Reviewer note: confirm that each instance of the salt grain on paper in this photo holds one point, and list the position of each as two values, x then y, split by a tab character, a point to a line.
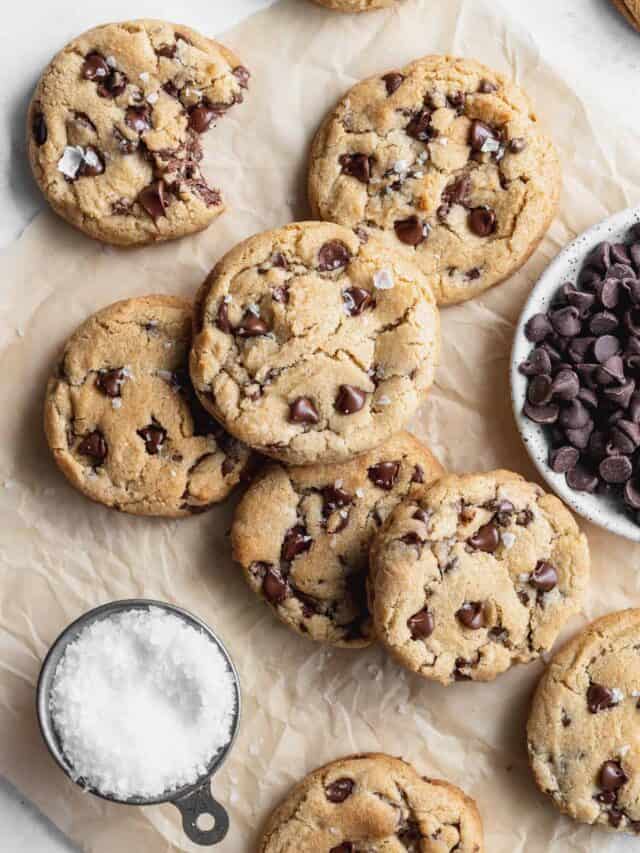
142	702
382	280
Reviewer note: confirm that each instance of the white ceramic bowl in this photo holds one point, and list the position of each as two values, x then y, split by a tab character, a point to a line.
606	511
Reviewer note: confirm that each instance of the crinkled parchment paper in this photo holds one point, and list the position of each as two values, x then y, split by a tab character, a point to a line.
61	554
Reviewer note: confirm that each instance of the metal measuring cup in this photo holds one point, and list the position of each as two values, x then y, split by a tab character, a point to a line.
192	801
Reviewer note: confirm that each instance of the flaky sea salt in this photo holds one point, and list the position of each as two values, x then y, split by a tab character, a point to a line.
152	97
71	160
508	539
142	702
144	76
383	280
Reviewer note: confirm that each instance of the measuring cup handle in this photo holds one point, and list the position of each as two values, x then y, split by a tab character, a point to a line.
201	802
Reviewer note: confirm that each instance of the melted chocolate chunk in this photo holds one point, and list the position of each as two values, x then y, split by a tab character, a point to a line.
274	588
152	199
95	446
471	615
39	129
338	791
357	166
296	541
599	698
153	437
392	81
421	624
384	474
350	399
333	255
356	300
487	538
303	411
410	231
110	382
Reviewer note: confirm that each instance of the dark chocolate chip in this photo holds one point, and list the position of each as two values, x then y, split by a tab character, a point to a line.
599	698
482	221
544	577
333	255
274	587
166	50
471	615
563	459
296	541
252	326
95	446
565	385
152	199
113	85
616	469
110	382
138	118
303	411
581	480
487	538
153	437
603	323
537	328
421	624
39	129
338	791
350	399
200	117
566	321
632	495
517	145
574	415
392	81
420	126
410	231
579	438
357	166
95	67
356	300
418	474
384	474
542	414
479	133
539	390
222	318
611	776
621	394
333	498
457	191
625	436
537	363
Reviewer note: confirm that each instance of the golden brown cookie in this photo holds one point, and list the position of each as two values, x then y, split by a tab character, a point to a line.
114	129
355	5
313	346
302	535
373	802
445	159
583	727
477	573
123	422
631	11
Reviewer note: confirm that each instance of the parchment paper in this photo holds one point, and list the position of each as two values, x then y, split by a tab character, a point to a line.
61	554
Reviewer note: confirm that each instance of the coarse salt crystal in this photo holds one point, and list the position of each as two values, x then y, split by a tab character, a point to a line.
152	97
144	76
418	174
624	750
142	702
617	695
71	160
338	484
116	403
227	298
111	61
508	539
383	280
383	400
490	145
359	493
400	166
254	309
523	577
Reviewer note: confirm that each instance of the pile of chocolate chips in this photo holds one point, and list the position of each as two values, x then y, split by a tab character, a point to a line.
584	373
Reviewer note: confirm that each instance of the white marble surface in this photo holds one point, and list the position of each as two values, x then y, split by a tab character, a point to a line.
598	54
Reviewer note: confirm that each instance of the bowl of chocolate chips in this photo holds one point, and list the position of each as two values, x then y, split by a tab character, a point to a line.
575	374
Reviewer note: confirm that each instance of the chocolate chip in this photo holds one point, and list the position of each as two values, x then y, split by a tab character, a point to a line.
222	318
544	577
296	541
566	321
422	515
517	145
333	498
581	479
420	126
487	538
110	382
95	446
421	624
458	191
565	385
95	67
542	414
153	437
166	50
338	791
599	698
537	363
356	300
539	390
418	474
345	847
392	81
303	411
357	166
243	75
384	474
471	615
537	327
350	399
482	221
616	469
113	85
410	231
333	255
252	326
39	129
632	495
274	588
200	118
152	199
138	118
563	459
479	133
611	776
574	415
625	436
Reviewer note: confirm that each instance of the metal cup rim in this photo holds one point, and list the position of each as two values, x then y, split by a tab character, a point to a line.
47	671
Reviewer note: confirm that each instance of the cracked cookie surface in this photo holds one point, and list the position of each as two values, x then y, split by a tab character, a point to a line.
445	159
312	345
373	802
583	728
302	535
355	5
631	11
114	129
481	571
123	421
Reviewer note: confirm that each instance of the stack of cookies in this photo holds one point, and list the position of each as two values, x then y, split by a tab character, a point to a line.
312	346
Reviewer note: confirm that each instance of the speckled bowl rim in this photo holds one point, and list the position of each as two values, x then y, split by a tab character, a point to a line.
606	512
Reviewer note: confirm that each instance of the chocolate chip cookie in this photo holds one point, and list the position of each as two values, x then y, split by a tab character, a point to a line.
355	5
373	802
302	535
631	11
583	728
115	124
479	572
312	345
446	160
123	422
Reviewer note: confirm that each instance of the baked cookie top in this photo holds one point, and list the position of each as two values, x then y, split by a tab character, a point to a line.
312	345
373	802
479	572
445	159
355	5
114	129
122	419
583	728
302	535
